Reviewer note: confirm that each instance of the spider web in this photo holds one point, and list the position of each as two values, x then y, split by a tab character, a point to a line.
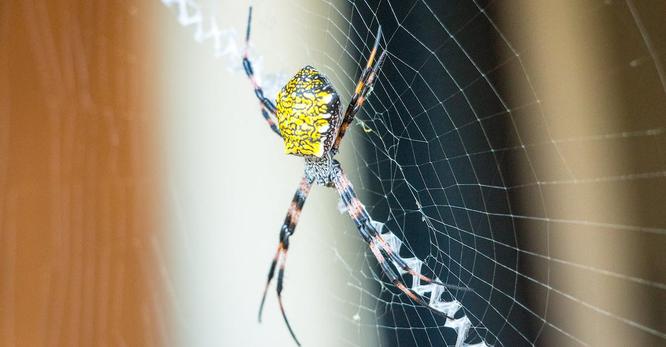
464	173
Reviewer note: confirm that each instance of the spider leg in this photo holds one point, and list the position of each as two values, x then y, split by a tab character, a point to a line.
363	89
395	279
279	287
271	273
380	249
280	258
267	106
403	265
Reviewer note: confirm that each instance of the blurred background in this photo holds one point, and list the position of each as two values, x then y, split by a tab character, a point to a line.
517	148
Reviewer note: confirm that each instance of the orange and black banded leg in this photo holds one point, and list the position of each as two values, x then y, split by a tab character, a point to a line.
386	249
267	106
398	261
280	258
380	249
363	88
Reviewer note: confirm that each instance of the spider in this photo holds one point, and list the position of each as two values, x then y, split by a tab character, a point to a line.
309	121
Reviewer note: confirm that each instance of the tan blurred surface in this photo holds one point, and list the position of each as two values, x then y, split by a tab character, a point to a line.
77	182
600	191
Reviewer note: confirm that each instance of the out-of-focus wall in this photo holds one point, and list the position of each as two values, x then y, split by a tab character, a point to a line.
229	185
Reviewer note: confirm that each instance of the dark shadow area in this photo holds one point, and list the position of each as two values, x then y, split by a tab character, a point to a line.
437	116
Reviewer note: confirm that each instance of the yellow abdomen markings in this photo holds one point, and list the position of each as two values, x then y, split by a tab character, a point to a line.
308	113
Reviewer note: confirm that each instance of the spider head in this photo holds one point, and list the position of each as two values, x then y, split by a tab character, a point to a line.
308	113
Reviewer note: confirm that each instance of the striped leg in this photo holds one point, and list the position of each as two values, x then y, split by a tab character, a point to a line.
267	106
380	249
280	258
362	90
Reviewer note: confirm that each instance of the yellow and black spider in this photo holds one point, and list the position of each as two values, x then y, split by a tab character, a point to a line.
310	123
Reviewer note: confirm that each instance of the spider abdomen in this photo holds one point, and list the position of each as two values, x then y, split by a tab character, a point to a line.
308	114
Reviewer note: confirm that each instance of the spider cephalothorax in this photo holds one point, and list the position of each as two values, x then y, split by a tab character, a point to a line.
311	125
321	170
308	113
